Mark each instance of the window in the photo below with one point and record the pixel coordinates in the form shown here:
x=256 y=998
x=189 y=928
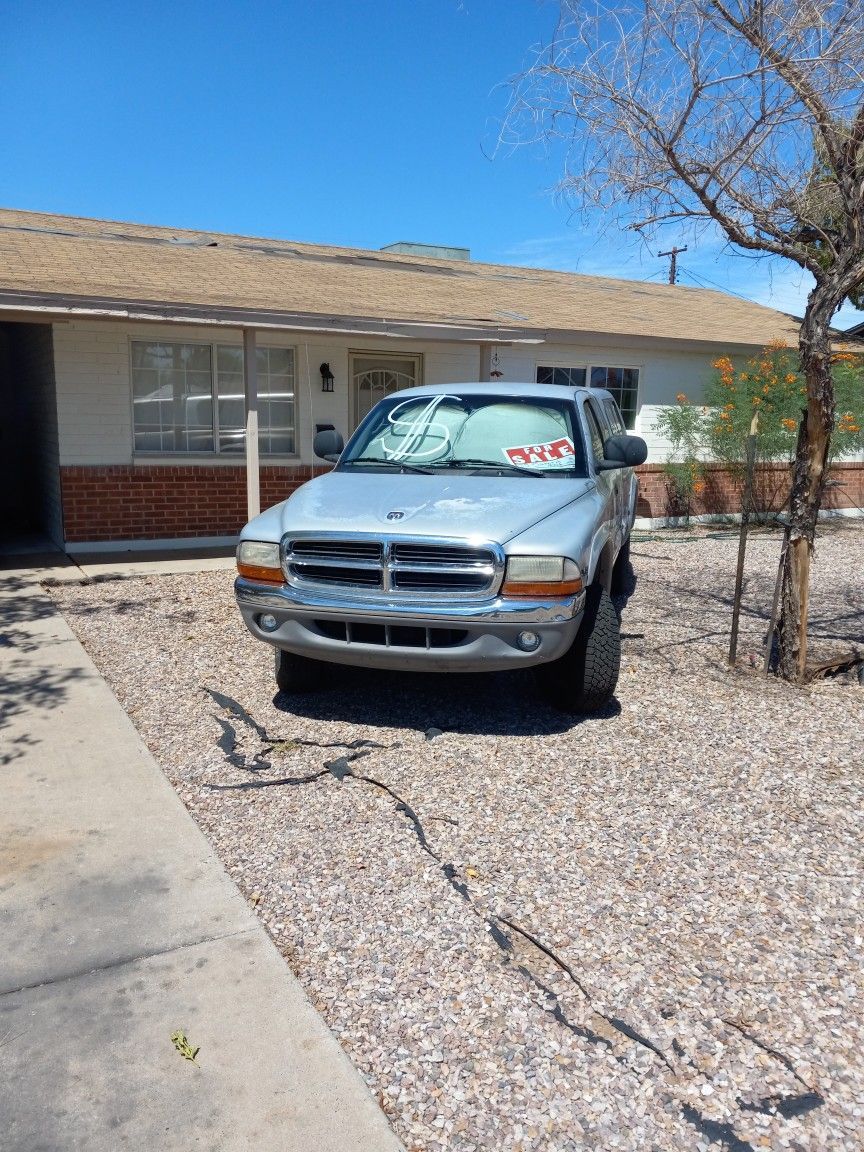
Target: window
x=276 y=418
x=173 y=391
x=613 y=418
x=565 y=377
x=172 y=397
x=474 y=433
x=623 y=383
x=594 y=432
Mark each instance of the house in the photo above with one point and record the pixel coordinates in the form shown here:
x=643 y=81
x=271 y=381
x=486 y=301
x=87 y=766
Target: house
x=133 y=359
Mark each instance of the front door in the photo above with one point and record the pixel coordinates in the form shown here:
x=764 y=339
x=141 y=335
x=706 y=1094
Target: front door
x=375 y=375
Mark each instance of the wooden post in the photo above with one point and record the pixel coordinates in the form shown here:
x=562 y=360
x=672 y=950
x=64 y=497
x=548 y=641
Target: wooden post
x=746 y=506
x=485 y=363
x=250 y=392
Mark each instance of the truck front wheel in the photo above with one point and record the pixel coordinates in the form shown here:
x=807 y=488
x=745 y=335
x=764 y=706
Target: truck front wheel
x=584 y=678
x=297 y=673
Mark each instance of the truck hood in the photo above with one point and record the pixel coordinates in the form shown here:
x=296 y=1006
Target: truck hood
x=492 y=507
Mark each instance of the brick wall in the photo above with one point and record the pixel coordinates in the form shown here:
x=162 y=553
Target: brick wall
x=123 y=502
x=723 y=493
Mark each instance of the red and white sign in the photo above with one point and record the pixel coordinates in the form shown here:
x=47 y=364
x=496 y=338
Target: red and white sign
x=553 y=454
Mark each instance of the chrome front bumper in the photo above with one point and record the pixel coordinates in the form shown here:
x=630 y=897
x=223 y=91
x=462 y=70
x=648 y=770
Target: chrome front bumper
x=488 y=628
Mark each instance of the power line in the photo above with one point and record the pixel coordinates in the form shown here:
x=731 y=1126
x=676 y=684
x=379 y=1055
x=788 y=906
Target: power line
x=704 y=282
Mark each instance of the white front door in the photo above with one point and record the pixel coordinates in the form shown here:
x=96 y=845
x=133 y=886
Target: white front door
x=375 y=375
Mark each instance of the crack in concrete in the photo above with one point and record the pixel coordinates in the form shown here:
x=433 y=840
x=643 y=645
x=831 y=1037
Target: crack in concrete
x=131 y=958
x=283 y=780
x=557 y=1014
x=339 y=768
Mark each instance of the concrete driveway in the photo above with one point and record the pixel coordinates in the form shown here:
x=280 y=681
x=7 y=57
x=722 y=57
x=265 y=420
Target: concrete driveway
x=121 y=928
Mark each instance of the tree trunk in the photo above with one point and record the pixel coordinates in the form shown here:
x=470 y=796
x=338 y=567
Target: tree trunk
x=808 y=480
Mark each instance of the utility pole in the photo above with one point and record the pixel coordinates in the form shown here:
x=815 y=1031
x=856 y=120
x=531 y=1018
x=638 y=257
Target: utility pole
x=673 y=263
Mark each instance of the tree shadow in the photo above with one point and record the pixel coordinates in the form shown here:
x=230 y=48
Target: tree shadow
x=17 y=607
x=26 y=681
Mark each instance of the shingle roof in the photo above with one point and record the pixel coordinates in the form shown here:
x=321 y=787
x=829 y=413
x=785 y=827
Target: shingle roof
x=71 y=259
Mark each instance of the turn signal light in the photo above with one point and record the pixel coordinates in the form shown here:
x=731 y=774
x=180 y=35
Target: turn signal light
x=259 y=560
x=539 y=576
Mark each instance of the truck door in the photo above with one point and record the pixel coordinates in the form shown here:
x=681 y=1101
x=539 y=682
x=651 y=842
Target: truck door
x=618 y=487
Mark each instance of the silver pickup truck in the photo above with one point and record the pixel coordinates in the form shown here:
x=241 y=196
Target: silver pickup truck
x=464 y=528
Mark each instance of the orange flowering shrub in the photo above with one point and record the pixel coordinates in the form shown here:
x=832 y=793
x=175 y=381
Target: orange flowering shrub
x=771 y=385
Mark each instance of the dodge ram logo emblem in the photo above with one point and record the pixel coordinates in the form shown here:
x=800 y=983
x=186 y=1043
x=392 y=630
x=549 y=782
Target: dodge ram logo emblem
x=395 y=515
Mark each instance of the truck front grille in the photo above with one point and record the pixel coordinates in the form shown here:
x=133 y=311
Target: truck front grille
x=344 y=563
x=414 y=568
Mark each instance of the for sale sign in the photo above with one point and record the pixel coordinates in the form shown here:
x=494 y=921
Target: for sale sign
x=552 y=454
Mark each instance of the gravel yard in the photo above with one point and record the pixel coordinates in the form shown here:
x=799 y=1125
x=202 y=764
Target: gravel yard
x=636 y=931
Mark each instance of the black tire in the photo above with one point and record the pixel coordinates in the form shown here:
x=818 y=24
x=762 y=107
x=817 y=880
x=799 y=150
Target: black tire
x=621 y=570
x=585 y=677
x=297 y=673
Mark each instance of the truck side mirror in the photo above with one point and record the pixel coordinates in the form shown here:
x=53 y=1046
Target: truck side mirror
x=328 y=445
x=623 y=451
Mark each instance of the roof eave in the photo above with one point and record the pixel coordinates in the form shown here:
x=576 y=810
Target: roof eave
x=55 y=307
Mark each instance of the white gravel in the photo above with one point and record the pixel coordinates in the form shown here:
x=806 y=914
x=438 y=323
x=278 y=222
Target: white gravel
x=692 y=859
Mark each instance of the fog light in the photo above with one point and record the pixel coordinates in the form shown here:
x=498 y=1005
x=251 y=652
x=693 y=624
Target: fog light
x=528 y=641
x=268 y=623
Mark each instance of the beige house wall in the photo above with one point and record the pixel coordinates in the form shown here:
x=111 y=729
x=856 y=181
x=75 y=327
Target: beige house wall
x=94 y=390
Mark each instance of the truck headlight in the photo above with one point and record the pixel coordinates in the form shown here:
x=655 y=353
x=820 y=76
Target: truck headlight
x=541 y=576
x=258 y=560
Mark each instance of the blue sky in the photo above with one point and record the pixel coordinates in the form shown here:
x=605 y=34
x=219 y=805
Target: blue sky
x=342 y=123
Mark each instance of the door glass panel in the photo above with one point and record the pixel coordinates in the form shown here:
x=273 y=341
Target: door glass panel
x=378 y=376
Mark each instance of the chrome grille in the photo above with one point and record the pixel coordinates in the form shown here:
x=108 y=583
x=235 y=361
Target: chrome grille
x=413 y=568
x=343 y=563
x=441 y=567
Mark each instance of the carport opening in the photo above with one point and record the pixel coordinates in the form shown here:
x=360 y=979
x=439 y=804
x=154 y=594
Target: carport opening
x=30 y=507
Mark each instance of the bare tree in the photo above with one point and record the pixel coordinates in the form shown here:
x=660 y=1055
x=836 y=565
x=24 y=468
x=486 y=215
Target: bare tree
x=742 y=115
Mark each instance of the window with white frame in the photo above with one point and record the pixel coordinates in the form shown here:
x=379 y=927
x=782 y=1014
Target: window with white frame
x=189 y=398
x=623 y=383
x=566 y=377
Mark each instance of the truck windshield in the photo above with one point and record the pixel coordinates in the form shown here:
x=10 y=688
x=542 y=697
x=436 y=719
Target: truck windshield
x=510 y=435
